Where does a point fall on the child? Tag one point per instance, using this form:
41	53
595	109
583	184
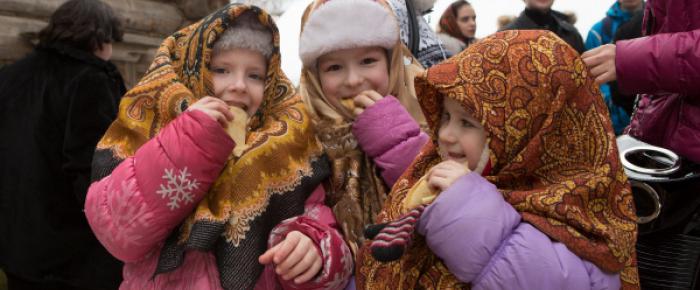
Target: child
179	208
553	210
358	82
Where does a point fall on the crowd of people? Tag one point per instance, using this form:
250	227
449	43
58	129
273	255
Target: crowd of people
407	158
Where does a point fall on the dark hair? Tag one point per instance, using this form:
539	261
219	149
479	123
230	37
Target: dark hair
82	24
458	4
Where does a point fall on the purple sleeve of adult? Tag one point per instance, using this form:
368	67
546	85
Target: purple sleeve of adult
661	63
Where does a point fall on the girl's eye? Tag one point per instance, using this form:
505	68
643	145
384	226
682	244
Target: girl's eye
445	117
467	124
333	67
219	70
369	60
257	77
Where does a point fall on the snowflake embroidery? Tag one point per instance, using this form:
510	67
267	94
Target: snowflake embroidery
129	219
178	189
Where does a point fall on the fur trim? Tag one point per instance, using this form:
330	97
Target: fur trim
483	160
246	32
451	44
343	24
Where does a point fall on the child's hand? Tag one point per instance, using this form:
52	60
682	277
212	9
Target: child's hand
365	100
295	256
214	108
443	175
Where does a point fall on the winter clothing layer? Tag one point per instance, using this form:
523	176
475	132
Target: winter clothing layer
416	33
603	32
664	68
245	197
56	103
135	209
552	152
357	188
553	21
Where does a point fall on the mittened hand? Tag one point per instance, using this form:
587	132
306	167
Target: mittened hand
443	175
365	100
295	257
390	240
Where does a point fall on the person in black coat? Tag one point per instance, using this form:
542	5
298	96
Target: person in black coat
55	104
538	14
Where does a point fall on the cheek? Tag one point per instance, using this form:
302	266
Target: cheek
330	86
380	80
256	96
219	83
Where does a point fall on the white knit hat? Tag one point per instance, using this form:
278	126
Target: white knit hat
246	32
341	24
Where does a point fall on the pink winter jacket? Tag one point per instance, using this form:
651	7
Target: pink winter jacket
132	219
664	66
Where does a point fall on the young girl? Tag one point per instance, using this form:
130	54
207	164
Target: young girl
358	81
179	208
553	209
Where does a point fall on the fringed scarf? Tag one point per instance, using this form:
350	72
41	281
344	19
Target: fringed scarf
552	151
357	190
267	184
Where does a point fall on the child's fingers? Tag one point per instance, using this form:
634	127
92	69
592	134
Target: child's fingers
292	259
357	111
438	182
372	94
363	101
306	262
288	244
310	273
266	258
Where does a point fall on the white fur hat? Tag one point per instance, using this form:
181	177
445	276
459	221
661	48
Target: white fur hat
246	32
341	24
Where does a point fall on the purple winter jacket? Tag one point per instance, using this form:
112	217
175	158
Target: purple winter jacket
665	67
483	241
501	248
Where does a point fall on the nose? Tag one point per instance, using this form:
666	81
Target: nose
354	78
446	134
237	84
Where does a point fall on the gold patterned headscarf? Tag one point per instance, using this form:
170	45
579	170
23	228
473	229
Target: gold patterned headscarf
254	192
552	151
357	191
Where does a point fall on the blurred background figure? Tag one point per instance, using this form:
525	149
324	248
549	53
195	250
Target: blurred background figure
56	104
603	32
538	14
415	32
629	30
570	17
457	26
503	21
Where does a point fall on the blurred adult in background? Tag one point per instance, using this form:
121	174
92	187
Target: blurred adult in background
538	14
661	68
629	30
415	32
457	26
56	104
603	32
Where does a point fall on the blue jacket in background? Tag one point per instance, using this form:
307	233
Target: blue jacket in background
601	33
